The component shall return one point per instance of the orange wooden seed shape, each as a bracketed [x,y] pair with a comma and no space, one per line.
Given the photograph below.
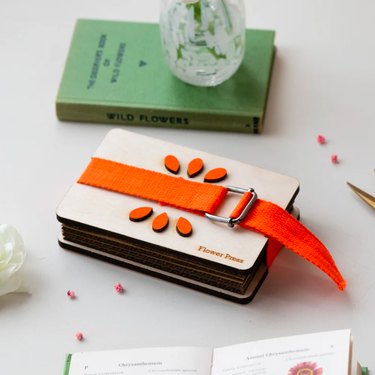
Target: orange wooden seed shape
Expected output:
[184,227]
[160,222]
[195,167]
[172,164]
[140,213]
[215,175]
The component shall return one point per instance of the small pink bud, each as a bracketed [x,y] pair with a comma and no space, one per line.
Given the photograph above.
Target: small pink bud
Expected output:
[119,288]
[71,294]
[321,139]
[79,336]
[334,159]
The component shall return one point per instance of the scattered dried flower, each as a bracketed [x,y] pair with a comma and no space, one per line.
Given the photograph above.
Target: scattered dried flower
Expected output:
[321,139]
[334,159]
[119,288]
[71,294]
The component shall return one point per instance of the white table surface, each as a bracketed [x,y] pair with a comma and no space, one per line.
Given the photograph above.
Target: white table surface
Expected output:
[323,83]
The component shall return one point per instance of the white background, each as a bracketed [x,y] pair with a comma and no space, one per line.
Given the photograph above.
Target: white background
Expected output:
[323,83]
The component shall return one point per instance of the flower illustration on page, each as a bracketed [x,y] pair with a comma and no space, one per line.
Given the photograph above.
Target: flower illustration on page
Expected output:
[306,368]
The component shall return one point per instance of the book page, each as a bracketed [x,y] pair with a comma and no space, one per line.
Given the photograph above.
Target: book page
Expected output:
[150,361]
[326,353]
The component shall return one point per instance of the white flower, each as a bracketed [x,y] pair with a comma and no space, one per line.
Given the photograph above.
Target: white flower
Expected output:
[12,256]
[189,1]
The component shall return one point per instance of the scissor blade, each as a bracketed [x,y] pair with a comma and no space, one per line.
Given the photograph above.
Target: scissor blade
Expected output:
[369,199]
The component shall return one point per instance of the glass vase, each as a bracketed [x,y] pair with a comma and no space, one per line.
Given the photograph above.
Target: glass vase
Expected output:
[203,40]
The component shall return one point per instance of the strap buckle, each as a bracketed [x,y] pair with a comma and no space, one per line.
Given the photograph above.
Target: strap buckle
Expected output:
[230,221]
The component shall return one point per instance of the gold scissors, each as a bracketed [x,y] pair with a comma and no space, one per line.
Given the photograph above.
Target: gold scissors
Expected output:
[368,198]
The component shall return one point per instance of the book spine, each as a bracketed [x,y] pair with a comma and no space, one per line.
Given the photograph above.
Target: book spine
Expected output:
[158,118]
[67,364]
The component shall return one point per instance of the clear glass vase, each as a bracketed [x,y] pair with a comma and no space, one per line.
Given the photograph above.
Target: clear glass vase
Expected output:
[204,40]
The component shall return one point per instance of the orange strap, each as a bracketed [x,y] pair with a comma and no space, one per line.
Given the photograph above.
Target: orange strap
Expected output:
[200,198]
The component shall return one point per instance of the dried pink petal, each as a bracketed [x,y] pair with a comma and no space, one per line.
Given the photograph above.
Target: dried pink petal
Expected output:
[321,139]
[71,294]
[334,159]
[119,288]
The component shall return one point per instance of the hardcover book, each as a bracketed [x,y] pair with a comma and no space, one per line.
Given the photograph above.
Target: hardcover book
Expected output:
[193,251]
[116,73]
[310,354]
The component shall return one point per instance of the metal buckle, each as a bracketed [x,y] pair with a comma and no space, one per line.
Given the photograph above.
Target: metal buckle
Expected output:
[231,222]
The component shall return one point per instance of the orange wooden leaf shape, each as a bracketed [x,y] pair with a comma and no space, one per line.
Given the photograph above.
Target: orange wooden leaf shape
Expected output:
[140,213]
[195,167]
[184,227]
[160,222]
[215,175]
[172,164]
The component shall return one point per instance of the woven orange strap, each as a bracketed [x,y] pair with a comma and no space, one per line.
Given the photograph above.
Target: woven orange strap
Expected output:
[200,198]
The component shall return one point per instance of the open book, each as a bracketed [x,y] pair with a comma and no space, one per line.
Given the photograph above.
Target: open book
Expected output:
[325,353]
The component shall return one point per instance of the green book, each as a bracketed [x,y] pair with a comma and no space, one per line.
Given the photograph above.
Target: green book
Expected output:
[116,73]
